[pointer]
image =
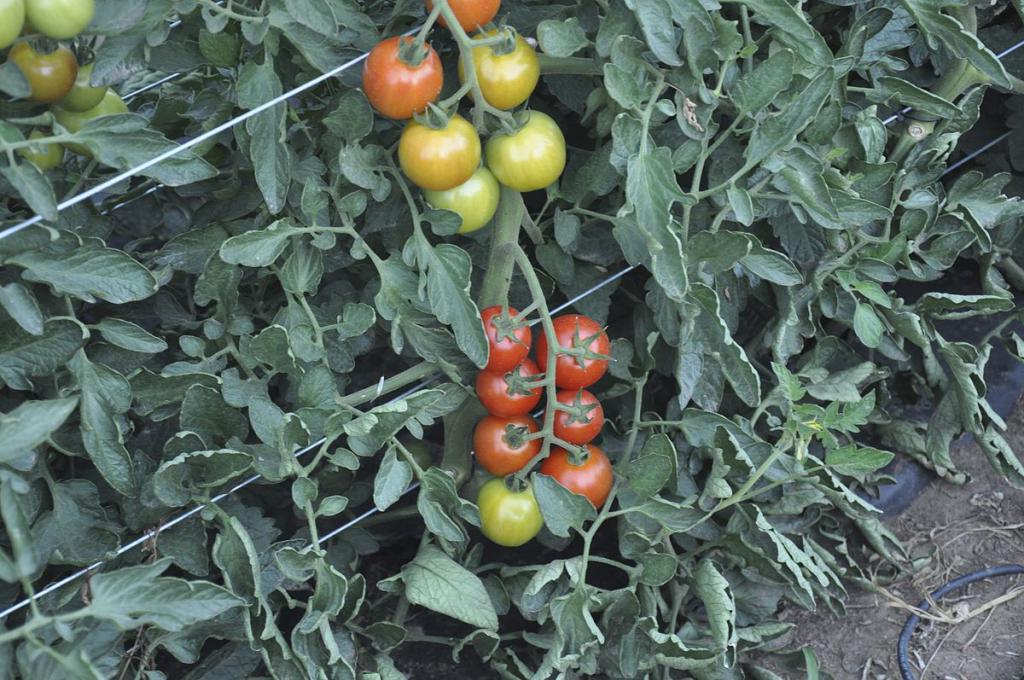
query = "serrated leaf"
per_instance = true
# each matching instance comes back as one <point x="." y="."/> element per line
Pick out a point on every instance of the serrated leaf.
<point x="392" y="480"/>
<point x="719" y="603"/>
<point x="130" y="336"/>
<point x="27" y="426"/>
<point x="90" y="273"/>
<point x="439" y="583"/>
<point x="562" y="509"/>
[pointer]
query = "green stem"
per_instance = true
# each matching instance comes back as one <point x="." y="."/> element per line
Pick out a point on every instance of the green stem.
<point x="501" y="260"/>
<point x="638" y="400"/>
<point x="1012" y="271"/>
<point x="397" y="381"/>
<point x="748" y="38"/>
<point x="572" y="66"/>
<point x="231" y="14"/>
<point x="38" y="141"/>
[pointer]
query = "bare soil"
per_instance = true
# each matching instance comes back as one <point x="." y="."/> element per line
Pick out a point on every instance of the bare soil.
<point x="963" y="529"/>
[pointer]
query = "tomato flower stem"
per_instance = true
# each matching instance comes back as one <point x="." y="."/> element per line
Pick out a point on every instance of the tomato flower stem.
<point x="397" y="381"/>
<point x="428" y="24"/>
<point x="500" y="263"/>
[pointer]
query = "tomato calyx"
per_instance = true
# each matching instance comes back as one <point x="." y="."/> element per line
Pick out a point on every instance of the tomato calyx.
<point x="515" y="483"/>
<point x="580" y="349"/>
<point x="516" y="436"/>
<point x="506" y="41"/>
<point x="412" y="51"/>
<point x="521" y="384"/>
<point x="433" y="117"/>
<point x="578" y="410"/>
<point x="506" y="326"/>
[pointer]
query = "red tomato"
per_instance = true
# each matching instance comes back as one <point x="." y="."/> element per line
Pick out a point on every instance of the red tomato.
<point x="509" y="344"/>
<point x="583" y="428"/>
<point x="500" y="446"/>
<point x="471" y="13"/>
<point x="50" y="75"/>
<point x="592" y="478"/>
<point x="397" y="88"/>
<point x="504" y="395"/>
<point x="584" y="336"/>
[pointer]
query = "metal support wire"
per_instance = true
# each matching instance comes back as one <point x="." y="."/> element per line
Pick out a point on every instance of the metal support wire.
<point x="195" y="141"/>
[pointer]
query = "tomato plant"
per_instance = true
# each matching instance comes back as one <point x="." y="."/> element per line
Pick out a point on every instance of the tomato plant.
<point x="583" y="422"/>
<point x="509" y="518"/>
<point x="474" y="201"/>
<point x="509" y="338"/>
<point x="506" y="78"/>
<point x="472" y="14"/>
<point x="60" y="19"/>
<point x="439" y="159"/>
<point x="401" y="77"/>
<point x="44" y="156"/>
<point x="583" y="350"/>
<point x="501" y="446"/>
<point x="510" y="393"/>
<point x="531" y="158"/>
<point x="50" y="75"/>
<point x="226" y="333"/>
<point x="83" y="95"/>
<point x="591" y="477"/>
<point x="12" y="18"/>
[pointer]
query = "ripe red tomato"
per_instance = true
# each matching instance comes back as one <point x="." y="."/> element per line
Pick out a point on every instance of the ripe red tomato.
<point x="442" y="159"/>
<point x="592" y="478"/>
<point x="509" y="518"/>
<point x="51" y="76"/>
<point x="60" y="19"/>
<point x="501" y="395"/>
<point x="578" y="429"/>
<point x="398" y="88"/>
<point x="581" y="334"/>
<point x="471" y="13"/>
<point x="509" y="344"/>
<point x="500" y="444"/>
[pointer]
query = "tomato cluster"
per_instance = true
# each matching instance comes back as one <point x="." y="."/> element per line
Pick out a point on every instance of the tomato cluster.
<point x="52" y="69"/>
<point x="508" y="439"/>
<point x="441" y="153"/>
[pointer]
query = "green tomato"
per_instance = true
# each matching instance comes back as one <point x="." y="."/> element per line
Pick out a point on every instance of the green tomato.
<point x="475" y="200"/>
<point x="73" y="121"/>
<point x="12" y="19"/>
<point x="60" y="19"/>
<point x="530" y="158"/>
<point x="83" y="96"/>
<point x="44" y="156"/>
<point x="509" y="518"/>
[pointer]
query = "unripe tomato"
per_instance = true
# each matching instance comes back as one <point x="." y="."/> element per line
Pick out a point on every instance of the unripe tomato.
<point x="397" y="88"/>
<point x="584" y="336"/>
<point x="83" y="96"/>
<point x="60" y="19"/>
<point x="509" y="345"/>
<point x="44" y="156"/>
<point x="500" y="444"/>
<point x="472" y="14"/>
<point x="583" y="429"/>
<point x="509" y="518"/>
<point x="531" y="158"/>
<point x="475" y="200"/>
<point x="12" y="19"/>
<point x="591" y="478"/>
<point x="503" y="394"/>
<point x="73" y="121"/>
<point x="50" y="76"/>
<point x="440" y="159"/>
<point x="506" y="80"/>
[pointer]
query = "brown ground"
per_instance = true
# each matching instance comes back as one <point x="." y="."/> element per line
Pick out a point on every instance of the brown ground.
<point x="964" y="528"/>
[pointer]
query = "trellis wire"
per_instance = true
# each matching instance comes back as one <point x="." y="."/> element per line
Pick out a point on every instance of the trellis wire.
<point x="153" y="533"/>
<point x="195" y="141"/>
<point x="156" y="531"/>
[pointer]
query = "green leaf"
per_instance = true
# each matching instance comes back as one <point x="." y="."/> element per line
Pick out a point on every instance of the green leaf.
<point x="352" y="119"/>
<point x="31" y="183"/>
<point x="30" y="424"/>
<point x="20" y="304"/>
<point x="138" y="596"/>
<point x="867" y="325"/>
<point x="90" y="273"/>
<point x="561" y="38"/>
<point x="655" y="19"/>
<point x="945" y="31"/>
<point x="271" y="159"/>
<point x="733" y="359"/>
<point x="105" y="396"/>
<point x="392" y="480"/>
<point x="791" y="28"/>
<point x="938" y="305"/>
<point x="447" y="268"/>
<point x="23" y="356"/>
<point x="754" y="91"/>
<point x="439" y="583"/>
<point x="197" y="473"/>
<point x="719" y="604"/>
<point x="922" y="100"/>
<point x="857" y="460"/>
<point x="438" y="502"/>
<point x="130" y="336"/>
<point x="13" y="82"/>
<point x="651" y="190"/>
<point x="562" y="509"/>
<point x="650" y="471"/>
<point x="771" y="265"/>
<point x="260" y="247"/>
<point x="775" y="133"/>
<point x="204" y="411"/>
<point x="742" y="206"/>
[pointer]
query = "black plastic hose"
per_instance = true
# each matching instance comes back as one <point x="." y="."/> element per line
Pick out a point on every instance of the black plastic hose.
<point x="925" y="605"/>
